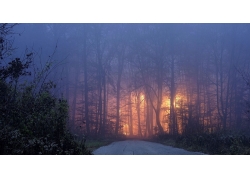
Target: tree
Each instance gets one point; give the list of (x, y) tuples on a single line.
[(33, 120)]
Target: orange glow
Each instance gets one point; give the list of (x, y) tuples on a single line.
[(125, 129), (141, 97), (178, 98), (136, 111), (166, 103)]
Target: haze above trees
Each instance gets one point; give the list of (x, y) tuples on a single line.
[(145, 79)]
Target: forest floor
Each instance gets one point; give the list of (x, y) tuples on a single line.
[(172, 142), (93, 144), (138, 147), (219, 143)]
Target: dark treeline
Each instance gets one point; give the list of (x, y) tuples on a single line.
[(32, 116), (143, 79)]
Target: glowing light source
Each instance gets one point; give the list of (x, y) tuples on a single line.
[(177, 99), (141, 97)]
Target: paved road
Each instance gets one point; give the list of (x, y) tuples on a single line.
[(136, 147)]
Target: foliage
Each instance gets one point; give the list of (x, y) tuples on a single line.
[(32, 121), (220, 143), (37, 125), (93, 144), (217, 143)]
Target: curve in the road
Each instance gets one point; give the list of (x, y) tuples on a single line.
[(136, 147)]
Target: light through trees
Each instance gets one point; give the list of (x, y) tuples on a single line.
[(139, 114), (145, 79)]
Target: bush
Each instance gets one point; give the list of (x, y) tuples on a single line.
[(35, 124), (32, 120), (216, 143)]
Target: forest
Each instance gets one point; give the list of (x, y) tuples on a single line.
[(140, 80)]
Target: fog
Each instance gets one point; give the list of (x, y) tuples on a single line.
[(143, 79)]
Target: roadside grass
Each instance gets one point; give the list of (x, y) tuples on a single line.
[(93, 144), (220, 143)]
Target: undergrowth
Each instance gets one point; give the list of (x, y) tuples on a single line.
[(219, 143)]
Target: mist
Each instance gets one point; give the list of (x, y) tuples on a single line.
[(143, 79), (63, 85)]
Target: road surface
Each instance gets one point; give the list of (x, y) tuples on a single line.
[(136, 147)]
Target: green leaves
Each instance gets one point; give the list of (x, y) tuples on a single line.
[(216, 143), (35, 123), (32, 120)]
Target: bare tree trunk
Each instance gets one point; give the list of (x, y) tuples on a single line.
[(138, 109), (75, 95), (130, 116), (117, 125), (104, 106), (118, 85), (172, 100), (86, 89), (100, 108)]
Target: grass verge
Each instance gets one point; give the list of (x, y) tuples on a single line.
[(219, 143), (93, 144)]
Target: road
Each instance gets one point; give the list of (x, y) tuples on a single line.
[(137, 147)]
